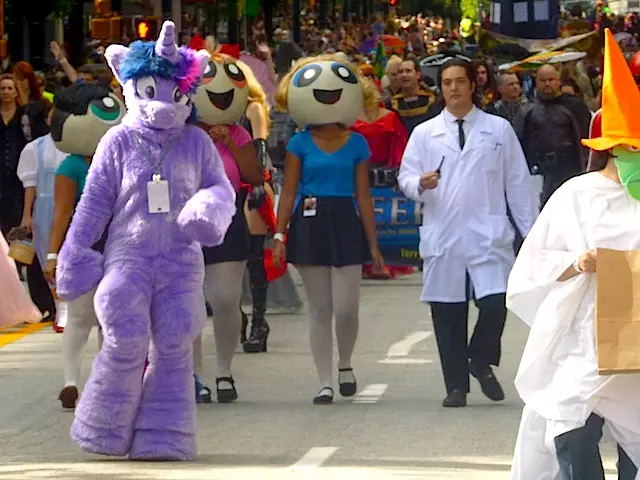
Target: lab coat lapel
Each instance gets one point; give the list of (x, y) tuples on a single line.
[(480, 134), (443, 134)]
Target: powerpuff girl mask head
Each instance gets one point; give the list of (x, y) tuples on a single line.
[(223, 95), (324, 92), (82, 114), (627, 161)]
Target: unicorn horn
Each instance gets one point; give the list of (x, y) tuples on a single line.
[(166, 45)]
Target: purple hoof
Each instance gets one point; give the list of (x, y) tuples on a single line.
[(98, 440), (159, 445)]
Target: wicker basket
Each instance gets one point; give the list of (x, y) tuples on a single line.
[(22, 252)]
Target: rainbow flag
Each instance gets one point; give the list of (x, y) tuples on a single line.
[(381, 59)]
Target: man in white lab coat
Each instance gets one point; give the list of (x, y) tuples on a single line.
[(466, 166)]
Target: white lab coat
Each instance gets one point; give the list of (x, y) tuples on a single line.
[(558, 375), (465, 227)]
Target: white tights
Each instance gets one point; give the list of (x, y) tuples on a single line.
[(223, 289), (332, 291), (81, 318)]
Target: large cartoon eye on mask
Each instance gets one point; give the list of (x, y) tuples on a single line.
[(223, 94), (107, 110), (627, 160), (325, 92), (82, 115)]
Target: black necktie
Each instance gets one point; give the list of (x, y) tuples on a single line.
[(460, 133)]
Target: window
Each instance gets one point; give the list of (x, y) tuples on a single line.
[(520, 12), (495, 12), (541, 10)]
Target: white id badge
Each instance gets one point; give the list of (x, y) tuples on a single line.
[(158, 193), (310, 207)]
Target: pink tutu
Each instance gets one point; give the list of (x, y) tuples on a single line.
[(15, 305)]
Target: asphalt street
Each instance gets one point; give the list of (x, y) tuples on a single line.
[(395, 428)]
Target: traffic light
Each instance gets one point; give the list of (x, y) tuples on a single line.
[(147, 28), (393, 3)]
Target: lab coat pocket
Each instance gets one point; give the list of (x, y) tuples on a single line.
[(430, 245), (502, 232), (494, 189)]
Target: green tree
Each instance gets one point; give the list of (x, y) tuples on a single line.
[(469, 9)]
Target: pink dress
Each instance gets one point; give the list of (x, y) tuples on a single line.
[(240, 137), (15, 305)]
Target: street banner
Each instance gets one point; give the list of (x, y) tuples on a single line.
[(397, 219), (584, 42)]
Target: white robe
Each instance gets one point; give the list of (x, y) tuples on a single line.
[(558, 375)]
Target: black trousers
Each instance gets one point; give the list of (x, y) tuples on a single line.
[(39, 289), (578, 454), (450, 322)]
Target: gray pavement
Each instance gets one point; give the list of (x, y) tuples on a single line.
[(394, 428)]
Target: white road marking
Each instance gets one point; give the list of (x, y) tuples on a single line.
[(403, 347), (399, 352), (405, 361), (371, 393), (314, 458)]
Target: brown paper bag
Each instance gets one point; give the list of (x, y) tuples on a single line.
[(618, 311)]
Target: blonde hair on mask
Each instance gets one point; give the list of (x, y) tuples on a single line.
[(282, 92), (256, 92)]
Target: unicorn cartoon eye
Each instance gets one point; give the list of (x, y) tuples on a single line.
[(344, 73), (146, 88), (179, 97)]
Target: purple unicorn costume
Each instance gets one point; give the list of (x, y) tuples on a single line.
[(149, 299)]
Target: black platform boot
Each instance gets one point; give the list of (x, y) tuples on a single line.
[(245, 325), (257, 342)]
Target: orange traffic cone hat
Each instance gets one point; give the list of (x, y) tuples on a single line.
[(620, 101)]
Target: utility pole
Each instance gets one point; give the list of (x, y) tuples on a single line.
[(3, 42), (233, 36), (296, 21)]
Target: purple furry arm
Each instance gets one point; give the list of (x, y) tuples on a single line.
[(207, 215), (80, 268)]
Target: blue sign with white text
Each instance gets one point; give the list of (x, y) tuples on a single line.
[(397, 223)]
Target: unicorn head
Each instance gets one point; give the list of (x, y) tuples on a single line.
[(158, 78)]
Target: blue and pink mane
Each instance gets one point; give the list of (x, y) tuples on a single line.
[(143, 60)]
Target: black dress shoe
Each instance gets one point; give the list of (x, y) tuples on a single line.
[(455, 399), (488, 382)]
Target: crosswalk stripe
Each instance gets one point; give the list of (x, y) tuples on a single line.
[(9, 337)]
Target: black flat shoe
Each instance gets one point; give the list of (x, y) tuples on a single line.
[(324, 397), (227, 395), (347, 389), (488, 382), (455, 399)]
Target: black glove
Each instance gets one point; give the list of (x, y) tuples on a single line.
[(256, 197), (260, 145)]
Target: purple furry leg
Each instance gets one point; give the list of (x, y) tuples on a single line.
[(166, 423), (105, 417)]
